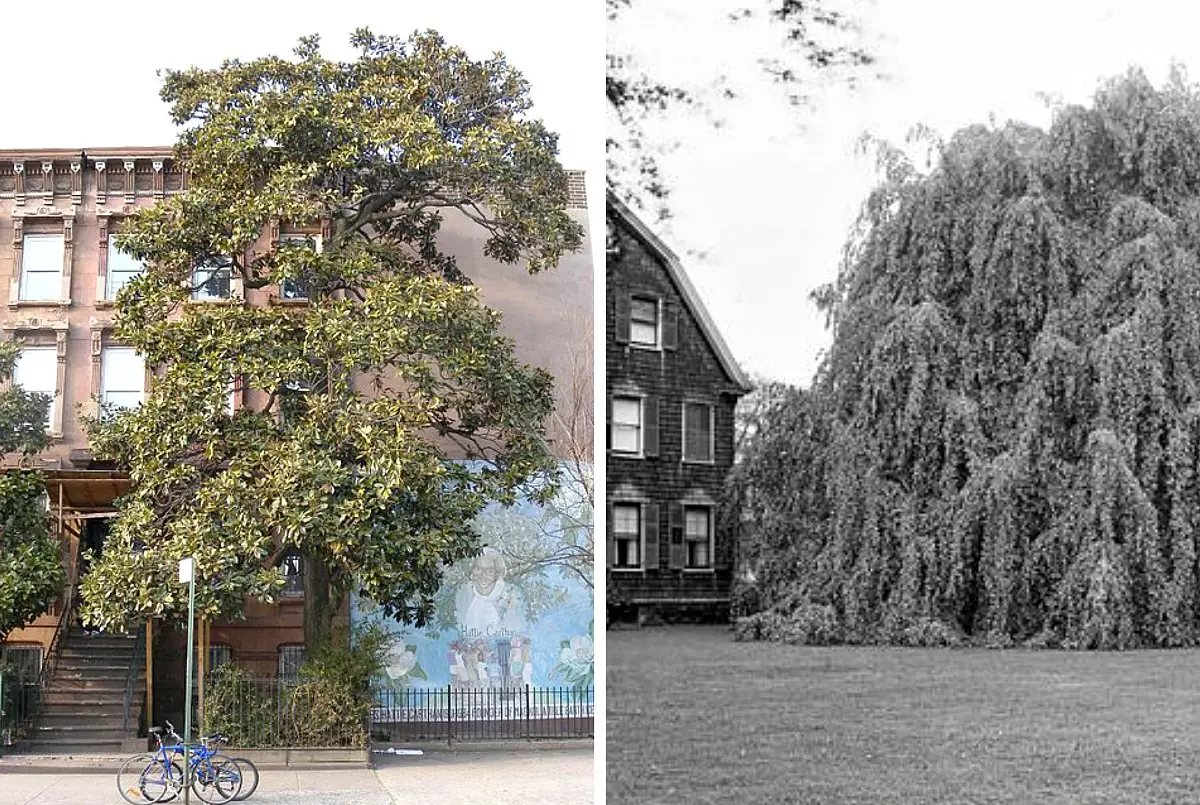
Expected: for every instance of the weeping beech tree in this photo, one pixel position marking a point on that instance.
(1002, 443)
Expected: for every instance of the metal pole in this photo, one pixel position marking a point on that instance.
(187, 698)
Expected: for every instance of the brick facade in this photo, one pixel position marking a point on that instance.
(689, 364)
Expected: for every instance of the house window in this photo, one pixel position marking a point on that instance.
(643, 321)
(697, 432)
(41, 267)
(25, 662)
(295, 289)
(627, 535)
(210, 280)
(122, 267)
(231, 398)
(626, 434)
(36, 372)
(292, 565)
(218, 655)
(290, 660)
(697, 535)
(291, 402)
(122, 378)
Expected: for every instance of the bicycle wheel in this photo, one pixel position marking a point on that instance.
(142, 779)
(217, 783)
(175, 786)
(249, 777)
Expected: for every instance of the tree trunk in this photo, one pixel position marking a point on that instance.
(318, 604)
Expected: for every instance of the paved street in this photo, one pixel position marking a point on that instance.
(544, 777)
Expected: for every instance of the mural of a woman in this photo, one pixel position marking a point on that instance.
(486, 606)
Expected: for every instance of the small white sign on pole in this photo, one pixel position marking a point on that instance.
(185, 570)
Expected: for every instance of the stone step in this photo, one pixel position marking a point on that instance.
(84, 698)
(76, 746)
(71, 732)
(65, 714)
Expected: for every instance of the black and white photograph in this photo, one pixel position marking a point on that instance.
(902, 379)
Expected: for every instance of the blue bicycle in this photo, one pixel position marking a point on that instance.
(158, 777)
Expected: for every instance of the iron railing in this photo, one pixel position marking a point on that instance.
(131, 678)
(50, 662)
(18, 698)
(266, 712)
(474, 714)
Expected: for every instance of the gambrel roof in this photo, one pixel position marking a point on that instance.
(679, 278)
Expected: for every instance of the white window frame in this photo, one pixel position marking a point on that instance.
(687, 539)
(712, 430)
(641, 535)
(110, 288)
(211, 268)
(23, 289)
(290, 559)
(297, 237)
(658, 322)
(641, 425)
(52, 391)
(106, 358)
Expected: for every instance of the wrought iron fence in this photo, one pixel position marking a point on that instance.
(465, 714)
(19, 700)
(262, 712)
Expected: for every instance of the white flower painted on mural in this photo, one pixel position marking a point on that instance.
(578, 650)
(402, 664)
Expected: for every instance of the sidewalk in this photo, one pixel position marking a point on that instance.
(546, 776)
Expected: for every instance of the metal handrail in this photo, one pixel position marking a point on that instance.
(131, 677)
(52, 655)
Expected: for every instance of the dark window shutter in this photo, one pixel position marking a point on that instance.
(608, 423)
(670, 327)
(650, 427)
(650, 530)
(622, 318)
(611, 548)
(675, 520)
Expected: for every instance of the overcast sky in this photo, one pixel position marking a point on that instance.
(762, 205)
(83, 75)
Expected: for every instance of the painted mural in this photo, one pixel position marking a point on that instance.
(518, 614)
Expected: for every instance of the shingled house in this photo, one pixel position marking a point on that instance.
(672, 385)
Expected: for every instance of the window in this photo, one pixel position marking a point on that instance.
(25, 661)
(36, 372)
(697, 432)
(643, 321)
(627, 535)
(231, 398)
(122, 377)
(626, 434)
(211, 280)
(291, 402)
(122, 267)
(218, 655)
(697, 535)
(41, 267)
(292, 565)
(296, 289)
(290, 660)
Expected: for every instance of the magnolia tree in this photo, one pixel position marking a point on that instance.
(1002, 445)
(31, 570)
(359, 398)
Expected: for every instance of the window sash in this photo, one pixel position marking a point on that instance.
(293, 288)
(212, 280)
(290, 660)
(41, 267)
(697, 432)
(36, 372)
(643, 321)
(292, 565)
(627, 424)
(698, 536)
(627, 534)
(26, 660)
(122, 267)
(122, 377)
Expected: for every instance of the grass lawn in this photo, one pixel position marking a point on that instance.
(695, 718)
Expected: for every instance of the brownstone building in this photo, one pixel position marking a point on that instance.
(672, 386)
(59, 212)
